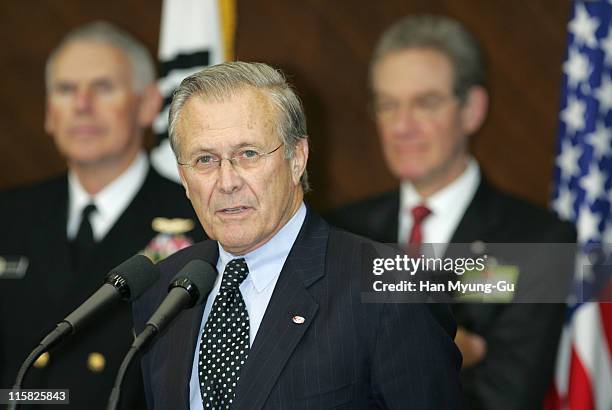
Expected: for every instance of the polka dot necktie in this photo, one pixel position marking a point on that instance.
(225, 341)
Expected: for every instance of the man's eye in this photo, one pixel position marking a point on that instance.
(385, 106)
(249, 153)
(205, 160)
(429, 102)
(63, 89)
(104, 86)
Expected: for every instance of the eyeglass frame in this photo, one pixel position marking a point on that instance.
(232, 160)
(419, 106)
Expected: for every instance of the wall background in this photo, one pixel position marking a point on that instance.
(324, 48)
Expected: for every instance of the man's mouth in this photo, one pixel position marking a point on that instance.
(85, 130)
(234, 210)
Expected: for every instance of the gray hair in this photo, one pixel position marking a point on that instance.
(222, 81)
(443, 34)
(143, 68)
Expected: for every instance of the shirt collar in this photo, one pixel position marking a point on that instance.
(266, 262)
(110, 202)
(445, 199)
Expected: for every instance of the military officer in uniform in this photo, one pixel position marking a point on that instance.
(60, 237)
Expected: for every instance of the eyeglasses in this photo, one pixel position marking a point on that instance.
(422, 107)
(206, 163)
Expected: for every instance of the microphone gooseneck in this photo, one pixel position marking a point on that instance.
(188, 288)
(126, 282)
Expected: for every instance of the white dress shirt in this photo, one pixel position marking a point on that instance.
(110, 202)
(265, 264)
(447, 207)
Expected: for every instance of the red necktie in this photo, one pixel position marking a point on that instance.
(419, 213)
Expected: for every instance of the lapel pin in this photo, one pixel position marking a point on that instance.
(298, 320)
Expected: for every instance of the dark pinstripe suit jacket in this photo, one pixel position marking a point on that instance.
(346, 355)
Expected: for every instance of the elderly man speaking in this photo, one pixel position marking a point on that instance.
(284, 326)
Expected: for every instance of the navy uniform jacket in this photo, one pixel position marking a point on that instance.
(522, 338)
(346, 354)
(33, 225)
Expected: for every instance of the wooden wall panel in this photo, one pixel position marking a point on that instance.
(324, 47)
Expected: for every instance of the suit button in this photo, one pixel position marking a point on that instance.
(42, 361)
(96, 362)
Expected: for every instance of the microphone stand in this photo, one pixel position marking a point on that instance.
(189, 287)
(142, 339)
(62, 329)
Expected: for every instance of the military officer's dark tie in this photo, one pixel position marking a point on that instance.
(225, 341)
(84, 241)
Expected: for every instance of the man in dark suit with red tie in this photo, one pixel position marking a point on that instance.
(428, 87)
(284, 326)
(61, 237)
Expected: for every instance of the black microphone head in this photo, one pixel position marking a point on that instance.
(198, 278)
(133, 276)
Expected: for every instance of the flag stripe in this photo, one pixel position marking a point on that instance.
(563, 363)
(579, 396)
(606, 322)
(592, 352)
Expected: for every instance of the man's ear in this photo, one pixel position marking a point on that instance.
(474, 109)
(150, 104)
(299, 160)
(181, 172)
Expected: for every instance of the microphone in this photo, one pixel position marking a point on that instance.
(190, 287)
(125, 282)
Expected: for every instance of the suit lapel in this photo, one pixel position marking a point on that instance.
(129, 226)
(278, 335)
(481, 222)
(181, 340)
(480, 219)
(390, 219)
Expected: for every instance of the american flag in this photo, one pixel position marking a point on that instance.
(583, 194)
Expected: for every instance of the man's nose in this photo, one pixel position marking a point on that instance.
(83, 100)
(230, 179)
(405, 120)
